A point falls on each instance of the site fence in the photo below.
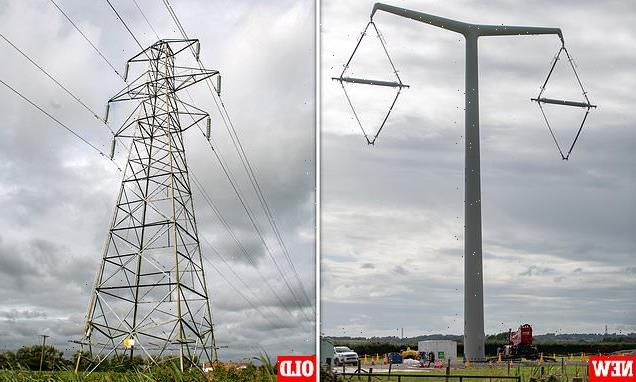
(410, 376)
(516, 373)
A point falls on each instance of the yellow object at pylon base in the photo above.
(541, 359)
(128, 342)
(467, 364)
(365, 358)
(499, 358)
(582, 357)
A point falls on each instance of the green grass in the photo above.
(220, 373)
(551, 373)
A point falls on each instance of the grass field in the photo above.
(220, 374)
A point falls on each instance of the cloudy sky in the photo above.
(56, 194)
(558, 236)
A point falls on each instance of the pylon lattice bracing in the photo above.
(150, 296)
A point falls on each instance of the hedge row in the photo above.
(491, 347)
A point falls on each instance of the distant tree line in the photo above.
(373, 347)
(28, 358)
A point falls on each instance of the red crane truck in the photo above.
(520, 344)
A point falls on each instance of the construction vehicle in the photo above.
(410, 354)
(520, 344)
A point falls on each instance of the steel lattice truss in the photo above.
(150, 287)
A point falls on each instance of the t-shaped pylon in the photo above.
(473, 269)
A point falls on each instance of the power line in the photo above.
(250, 258)
(76, 135)
(257, 188)
(266, 207)
(132, 34)
(124, 24)
(250, 214)
(174, 17)
(245, 161)
(220, 216)
(236, 289)
(77, 99)
(87, 39)
(242, 155)
(234, 186)
(252, 220)
(145, 18)
(240, 279)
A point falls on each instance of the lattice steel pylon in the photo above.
(150, 296)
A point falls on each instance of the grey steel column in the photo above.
(473, 269)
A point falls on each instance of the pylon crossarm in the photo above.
(145, 55)
(181, 102)
(144, 90)
(563, 102)
(540, 100)
(353, 80)
(513, 30)
(186, 80)
(441, 22)
(463, 27)
(198, 118)
(132, 90)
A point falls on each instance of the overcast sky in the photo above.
(56, 195)
(558, 236)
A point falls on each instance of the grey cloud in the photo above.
(400, 270)
(541, 217)
(26, 314)
(534, 270)
(57, 196)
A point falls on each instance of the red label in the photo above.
(611, 368)
(296, 368)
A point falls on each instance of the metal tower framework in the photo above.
(474, 338)
(150, 296)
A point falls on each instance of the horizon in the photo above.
(630, 334)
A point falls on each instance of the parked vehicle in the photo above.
(343, 355)
(520, 344)
(394, 358)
